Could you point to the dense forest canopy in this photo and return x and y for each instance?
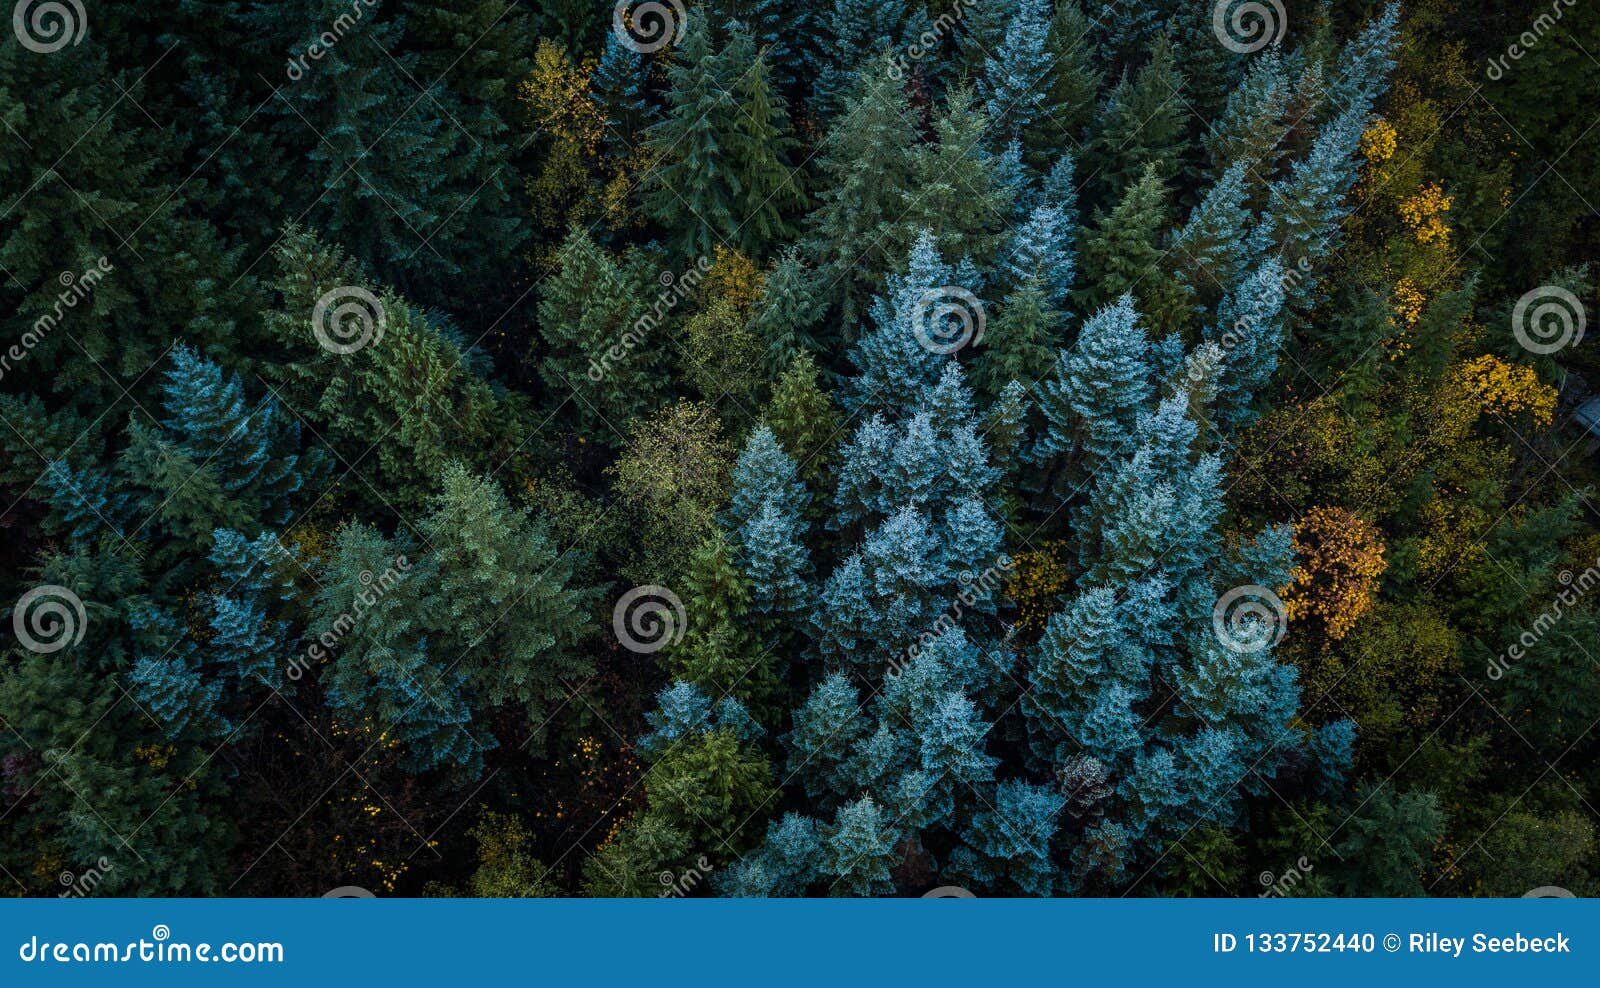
(764, 448)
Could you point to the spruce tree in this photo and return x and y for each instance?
(720, 175)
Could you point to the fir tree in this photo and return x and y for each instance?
(720, 175)
(1123, 255)
(1093, 399)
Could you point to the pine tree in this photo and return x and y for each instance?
(1249, 330)
(1041, 250)
(785, 315)
(762, 473)
(1021, 344)
(1012, 92)
(422, 201)
(380, 671)
(619, 82)
(958, 194)
(900, 356)
(1253, 124)
(852, 32)
(1209, 250)
(1012, 841)
(253, 451)
(1304, 211)
(826, 727)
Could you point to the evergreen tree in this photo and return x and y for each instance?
(1071, 88)
(785, 315)
(1093, 399)
(802, 417)
(1143, 123)
(1209, 250)
(597, 344)
(1122, 255)
(868, 171)
(853, 32)
(1021, 343)
(720, 175)
(1305, 210)
(858, 850)
(1012, 92)
(512, 622)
